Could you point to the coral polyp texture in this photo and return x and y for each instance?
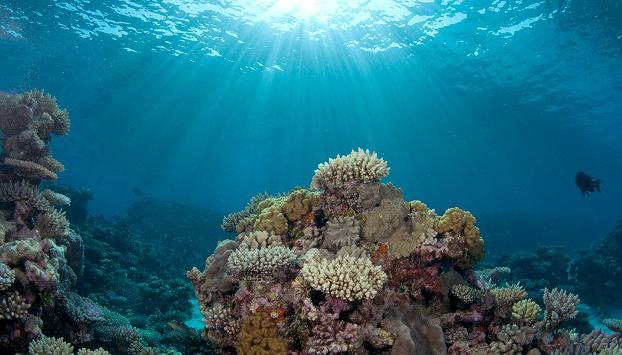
(349, 267)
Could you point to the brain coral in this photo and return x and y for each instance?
(358, 167)
(345, 277)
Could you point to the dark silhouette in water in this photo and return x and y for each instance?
(586, 183)
(138, 192)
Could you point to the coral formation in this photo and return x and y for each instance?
(345, 277)
(260, 263)
(615, 325)
(50, 346)
(258, 335)
(358, 167)
(526, 311)
(356, 269)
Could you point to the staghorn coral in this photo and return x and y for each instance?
(7, 276)
(506, 297)
(50, 346)
(464, 293)
(615, 325)
(341, 232)
(55, 198)
(258, 335)
(13, 306)
(260, 263)
(598, 340)
(526, 311)
(345, 277)
(611, 350)
(462, 222)
(22, 190)
(559, 306)
(360, 166)
(52, 223)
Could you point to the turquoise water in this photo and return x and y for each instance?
(181, 110)
(489, 105)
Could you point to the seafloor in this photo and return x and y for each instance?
(343, 267)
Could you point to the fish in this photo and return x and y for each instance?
(138, 192)
(586, 183)
(182, 328)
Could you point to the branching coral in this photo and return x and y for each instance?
(13, 306)
(258, 335)
(22, 190)
(526, 311)
(360, 166)
(27, 122)
(332, 337)
(345, 277)
(260, 263)
(7, 276)
(559, 306)
(52, 223)
(231, 221)
(259, 239)
(55, 198)
(512, 339)
(615, 325)
(98, 351)
(506, 297)
(50, 346)
(464, 293)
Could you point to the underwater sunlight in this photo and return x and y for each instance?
(306, 177)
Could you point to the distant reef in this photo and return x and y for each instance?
(349, 267)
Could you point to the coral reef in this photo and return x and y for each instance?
(356, 269)
(358, 167)
(597, 273)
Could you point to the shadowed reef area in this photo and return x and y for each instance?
(346, 266)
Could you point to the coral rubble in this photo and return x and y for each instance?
(350, 267)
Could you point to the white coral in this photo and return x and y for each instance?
(260, 262)
(360, 166)
(345, 277)
(258, 239)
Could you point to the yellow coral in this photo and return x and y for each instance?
(298, 203)
(506, 297)
(258, 336)
(272, 220)
(526, 311)
(462, 222)
(418, 206)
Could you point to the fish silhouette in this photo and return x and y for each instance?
(586, 183)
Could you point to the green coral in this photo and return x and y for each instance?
(50, 346)
(526, 311)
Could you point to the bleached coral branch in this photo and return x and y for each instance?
(360, 166)
(345, 277)
(260, 262)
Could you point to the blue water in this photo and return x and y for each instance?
(488, 105)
